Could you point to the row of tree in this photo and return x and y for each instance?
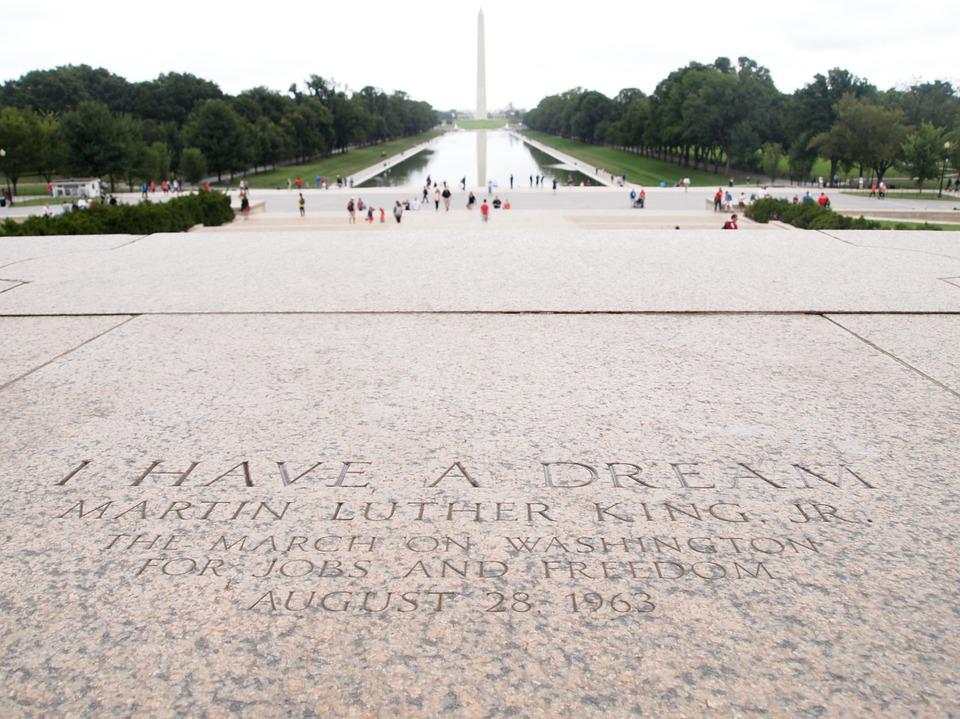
(729, 115)
(86, 121)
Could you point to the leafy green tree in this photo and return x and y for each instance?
(771, 156)
(157, 161)
(18, 138)
(923, 153)
(97, 141)
(51, 148)
(193, 165)
(877, 132)
(216, 129)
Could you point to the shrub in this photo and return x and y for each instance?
(176, 215)
(809, 216)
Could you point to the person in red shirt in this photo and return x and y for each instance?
(731, 224)
(485, 211)
(718, 200)
(823, 200)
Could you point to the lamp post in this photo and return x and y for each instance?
(943, 166)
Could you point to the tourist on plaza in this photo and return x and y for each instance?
(436, 199)
(398, 212)
(245, 207)
(360, 206)
(506, 204)
(823, 200)
(531, 180)
(731, 224)
(383, 216)
(496, 203)
(485, 211)
(426, 192)
(351, 211)
(807, 198)
(642, 198)
(463, 184)
(471, 200)
(554, 185)
(882, 190)
(446, 195)
(511, 181)
(718, 200)
(370, 215)
(303, 205)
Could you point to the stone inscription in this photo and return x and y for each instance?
(599, 539)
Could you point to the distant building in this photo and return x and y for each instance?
(77, 187)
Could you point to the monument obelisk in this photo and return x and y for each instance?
(481, 70)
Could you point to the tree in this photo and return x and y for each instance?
(18, 138)
(216, 129)
(96, 141)
(51, 149)
(923, 153)
(157, 161)
(193, 165)
(771, 156)
(876, 133)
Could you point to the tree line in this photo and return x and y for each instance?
(85, 121)
(733, 116)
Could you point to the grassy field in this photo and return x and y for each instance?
(907, 195)
(642, 170)
(491, 124)
(902, 225)
(344, 164)
(40, 201)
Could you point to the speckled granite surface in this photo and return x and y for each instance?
(494, 268)
(656, 515)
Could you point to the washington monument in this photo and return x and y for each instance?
(481, 70)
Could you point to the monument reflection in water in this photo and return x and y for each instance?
(479, 156)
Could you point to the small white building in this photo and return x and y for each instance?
(77, 187)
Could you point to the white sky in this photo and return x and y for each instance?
(428, 48)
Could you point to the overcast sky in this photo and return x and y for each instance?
(428, 48)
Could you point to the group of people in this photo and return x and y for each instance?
(165, 186)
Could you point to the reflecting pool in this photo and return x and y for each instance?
(479, 156)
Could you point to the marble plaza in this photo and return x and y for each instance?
(560, 465)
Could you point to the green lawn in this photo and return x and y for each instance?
(898, 195)
(902, 225)
(40, 201)
(642, 170)
(491, 124)
(343, 164)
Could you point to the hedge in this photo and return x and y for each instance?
(176, 215)
(808, 216)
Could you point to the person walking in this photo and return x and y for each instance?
(531, 181)
(370, 215)
(426, 192)
(245, 207)
(398, 212)
(303, 205)
(436, 199)
(554, 185)
(511, 181)
(718, 200)
(485, 211)
(352, 212)
(463, 184)
(446, 195)
(383, 215)
(471, 200)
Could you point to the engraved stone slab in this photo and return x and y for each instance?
(479, 516)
